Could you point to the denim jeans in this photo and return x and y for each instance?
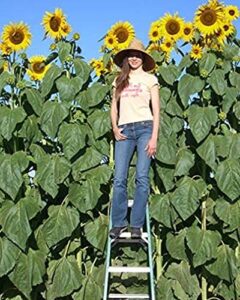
(138, 135)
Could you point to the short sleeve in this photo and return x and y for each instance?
(153, 81)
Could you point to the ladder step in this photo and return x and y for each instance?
(130, 202)
(128, 269)
(128, 296)
(127, 235)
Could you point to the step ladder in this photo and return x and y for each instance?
(125, 237)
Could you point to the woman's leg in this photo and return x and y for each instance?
(123, 153)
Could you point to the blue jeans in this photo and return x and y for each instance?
(138, 134)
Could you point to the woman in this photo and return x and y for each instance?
(135, 123)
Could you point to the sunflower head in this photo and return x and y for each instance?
(55, 24)
(5, 49)
(155, 32)
(168, 45)
(188, 32)
(209, 17)
(110, 41)
(196, 51)
(232, 12)
(124, 33)
(37, 68)
(16, 36)
(172, 26)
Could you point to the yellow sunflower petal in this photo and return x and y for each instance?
(172, 26)
(16, 36)
(124, 33)
(168, 45)
(110, 41)
(37, 68)
(209, 17)
(5, 49)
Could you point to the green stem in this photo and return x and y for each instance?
(159, 268)
(66, 249)
(204, 228)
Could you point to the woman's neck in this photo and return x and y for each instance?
(136, 71)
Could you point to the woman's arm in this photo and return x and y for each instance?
(152, 144)
(114, 118)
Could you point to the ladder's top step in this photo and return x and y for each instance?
(130, 202)
(128, 296)
(117, 269)
(127, 235)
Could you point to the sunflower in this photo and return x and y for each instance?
(16, 36)
(172, 26)
(168, 45)
(153, 47)
(124, 33)
(55, 24)
(98, 66)
(187, 32)
(228, 29)
(5, 49)
(231, 12)
(209, 17)
(37, 68)
(155, 33)
(196, 52)
(110, 41)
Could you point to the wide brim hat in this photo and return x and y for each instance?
(135, 45)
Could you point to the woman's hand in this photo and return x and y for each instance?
(151, 147)
(119, 136)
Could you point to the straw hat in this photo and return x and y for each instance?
(136, 45)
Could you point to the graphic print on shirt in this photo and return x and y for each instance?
(132, 90)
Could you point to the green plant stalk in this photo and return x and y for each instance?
(159, 268)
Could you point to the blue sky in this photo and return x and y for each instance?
(92, 19)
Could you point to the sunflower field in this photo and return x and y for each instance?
(56, 161)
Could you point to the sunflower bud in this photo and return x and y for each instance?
(11, 79)
(53, 47)
(23, 56)
(219, 62)
(69, 58)
(236, 58)
(203, 73)
(185, 114)
(21, 85)
(222, 115)
(76, 36)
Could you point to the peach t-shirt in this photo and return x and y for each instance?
(135, 98)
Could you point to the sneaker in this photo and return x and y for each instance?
(116, 231)
(136, 233)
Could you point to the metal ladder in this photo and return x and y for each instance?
(125, 237)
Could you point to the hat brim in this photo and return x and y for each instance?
(148, 61)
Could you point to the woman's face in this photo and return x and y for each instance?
(135, 59)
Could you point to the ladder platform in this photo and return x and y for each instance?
(128, 296)
(127, 235)
(116, 269)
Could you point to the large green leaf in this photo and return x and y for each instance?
(60, 224)
(207, 63)
(30, 130)
(167, 149)
(96, 232)
(176, 245)
(203, 244)
(9, 118)
(35, 99)
(52, 171)
(201, 119)
(185, 198)
(68, 87)
(229, 98)
(100, 123)
(234, 78)
(28, 272)
(48, 80)
(224, 267)
(228, 177)
(8, 255)
(169, 73)
(64, 278)
(185, 160)
(52, 115)
(218, 82)
(228, 145)
(228, 213)
(161, 209)
(73, 138)
(207, 151)
(164, 289)
(15, 222)
(89, 290)
(188, 281)
(187, 86)
(82, 69)
(64, 50)
(11, 169)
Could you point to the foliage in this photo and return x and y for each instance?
(56, 176)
